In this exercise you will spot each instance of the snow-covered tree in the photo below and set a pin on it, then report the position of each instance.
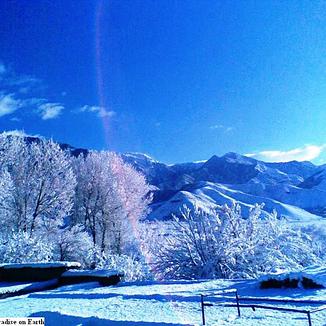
(110, 199)
(73, 244)
(102, 197)
(42, 183)
(134, 195)
(6, 200)
(222, 244)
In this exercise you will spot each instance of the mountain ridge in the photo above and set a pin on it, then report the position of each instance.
(296, 190)
(292, 188)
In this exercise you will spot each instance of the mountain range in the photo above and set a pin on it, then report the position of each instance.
(296, 190)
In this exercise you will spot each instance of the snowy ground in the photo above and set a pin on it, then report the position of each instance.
(8, 288)
(168, 303)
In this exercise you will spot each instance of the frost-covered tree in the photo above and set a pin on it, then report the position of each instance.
(110, 199)
(7, 200)
(42, 183)
(134, 195)
(73, 244)
(222, 244)
(39, 188)
(96, 202)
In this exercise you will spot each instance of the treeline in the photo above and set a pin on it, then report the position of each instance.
(57, 207)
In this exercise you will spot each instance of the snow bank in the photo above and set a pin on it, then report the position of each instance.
(55, 264)
(93, 273)
(310, 277)
(103, 276)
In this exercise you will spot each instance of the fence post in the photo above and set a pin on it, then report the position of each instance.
(238, 303)
(309, 318)
(202, 308)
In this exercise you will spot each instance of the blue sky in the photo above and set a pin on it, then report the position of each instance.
(179, 80)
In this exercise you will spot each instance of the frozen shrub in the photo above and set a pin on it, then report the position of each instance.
(222, 244)
(20, 247)
(74, 244)
(133, 269)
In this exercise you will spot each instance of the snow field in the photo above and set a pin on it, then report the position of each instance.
(152, 303)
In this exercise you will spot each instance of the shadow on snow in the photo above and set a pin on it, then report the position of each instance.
(55, 318)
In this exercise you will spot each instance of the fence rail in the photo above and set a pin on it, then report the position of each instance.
(266, 299)
(238, 305)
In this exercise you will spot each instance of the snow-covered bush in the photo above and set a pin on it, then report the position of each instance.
(318, 239)
(132, 268)
(74, 244)
(20, 247)
(222, 244)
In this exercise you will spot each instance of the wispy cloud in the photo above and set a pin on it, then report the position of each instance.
(221, 127)
(100, 111)
(15, 119)
(305, 153)
(23, 80)
(2, 68)
(49, 111)
(8, 104)
(19, 93)
(19, 83)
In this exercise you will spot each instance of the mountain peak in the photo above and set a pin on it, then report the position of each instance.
(139, 156)
(233, 157)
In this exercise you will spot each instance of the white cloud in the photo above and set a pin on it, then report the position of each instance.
(34, 101)
(18, 83)
(15, 95)
(305, 153)
(213, 127)
(221, 127)
(98, 110)
(49, 111)
(15, 119)
(23, 81)
(8, 104)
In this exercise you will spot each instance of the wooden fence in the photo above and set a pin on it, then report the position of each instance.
(254, 306)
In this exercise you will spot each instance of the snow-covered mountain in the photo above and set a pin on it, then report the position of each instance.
(296, 190)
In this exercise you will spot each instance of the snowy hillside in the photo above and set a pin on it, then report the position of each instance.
(207, 195)
(297, 190)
